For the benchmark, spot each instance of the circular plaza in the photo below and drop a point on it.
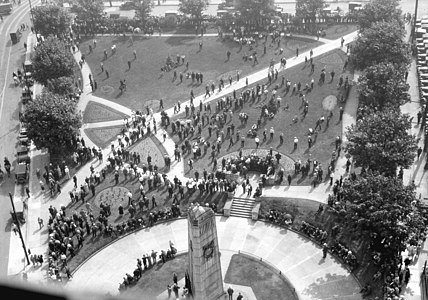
(299, 259)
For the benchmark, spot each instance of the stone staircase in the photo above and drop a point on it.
(242, 207)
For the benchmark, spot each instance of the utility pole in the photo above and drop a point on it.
(414, 21)
(31, 12)
(19, 228)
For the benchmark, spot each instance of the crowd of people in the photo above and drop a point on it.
(66, 231)
(243, 164)
(345, 254)
(279, 217)
(147, 262)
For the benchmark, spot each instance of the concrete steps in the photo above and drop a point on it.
(242, 207)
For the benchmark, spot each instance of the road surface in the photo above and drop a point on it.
(11, 58)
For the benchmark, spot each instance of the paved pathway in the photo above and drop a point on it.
(417, 174)
(299, 259)
(36, 239)
(319, 193)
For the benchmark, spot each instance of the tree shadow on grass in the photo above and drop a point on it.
(342, 286)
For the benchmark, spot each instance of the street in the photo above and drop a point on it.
(11, 58)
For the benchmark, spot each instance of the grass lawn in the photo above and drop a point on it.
(106, 191)
(265, 282)
(299, 209)
(144, 80)
(155, 280)
(323, 142)
(102, 137)
(97, 112)
(243, 270)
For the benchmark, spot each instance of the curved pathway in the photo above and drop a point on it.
(177, 168)
(299, 259)
(36, 239)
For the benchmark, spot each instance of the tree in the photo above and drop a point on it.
(91, 12)
(62, 85)
(193, 8)
(309, 9)
(380, 141)
(379, 10)
(381, 208)
(51, 19)
(52, 123)
(383, 84)
(143, 10)
(255, 12)
(52, 59)
(383, 42)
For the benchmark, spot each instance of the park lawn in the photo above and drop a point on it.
(145, 82)
(299, 209)
(93, 244)
(323, 144)
(265, 281)
(97, 112)
(154, 281)
(242, 270)
(102, 137)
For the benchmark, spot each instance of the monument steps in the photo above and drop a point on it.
(242, 207)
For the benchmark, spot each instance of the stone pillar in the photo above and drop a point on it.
(204, 255)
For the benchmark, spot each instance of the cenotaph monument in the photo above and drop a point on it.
(204, 268)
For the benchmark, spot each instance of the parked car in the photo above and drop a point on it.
(21, 173)
(23, 138)
(23, 154)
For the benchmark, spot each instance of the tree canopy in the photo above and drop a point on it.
(381, 207)
(383, 84)
(193, 8)
(61, 85)
(51, 19)
(379, 10)
(383, 42)
(380, 141)
(143, 10)
(91, 12)
(309, 9)
(52, 59)
(52, 123)
(255, 11)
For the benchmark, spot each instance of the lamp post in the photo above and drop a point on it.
(19, 228)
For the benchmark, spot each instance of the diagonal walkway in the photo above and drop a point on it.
(36, 239)
(299, 259)
(255, 77)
